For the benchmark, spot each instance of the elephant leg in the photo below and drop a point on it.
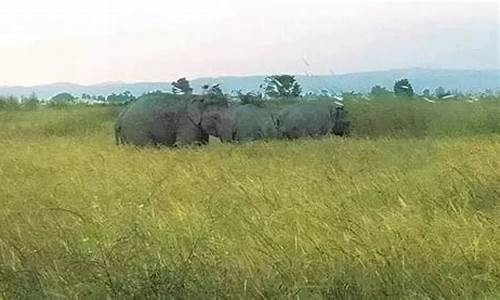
(204, 138)
(296, 132)
(188, 133)
(164, 130)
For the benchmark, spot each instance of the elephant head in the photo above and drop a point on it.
(213, 117)
(220, 122)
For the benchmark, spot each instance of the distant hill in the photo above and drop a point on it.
(463, 80)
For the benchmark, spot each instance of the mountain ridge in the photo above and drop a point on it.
(473, 81)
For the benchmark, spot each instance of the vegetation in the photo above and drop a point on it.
(182, 86)
(406, 208)
(250, 98)
(62, 97)
(120, 99)
(212, 90)
(403, 88)
(282, 86)
(379, 91)
(440, 92)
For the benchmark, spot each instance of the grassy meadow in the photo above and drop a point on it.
(407, 207)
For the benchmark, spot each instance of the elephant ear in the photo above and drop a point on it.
(194, 110)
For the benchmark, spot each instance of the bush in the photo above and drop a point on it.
(9, 103)
(403, 88)
(250, 98)
(63, 97)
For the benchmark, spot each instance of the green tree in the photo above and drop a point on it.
(8, 103)
(85, 96)
(182, 86)
(380, 91)
(282, 86)
(440, 92)
(121, 98)
(213, 90)
(249, 98)
(426, 93)
(403, 88)
(63, 98)
(30, 102)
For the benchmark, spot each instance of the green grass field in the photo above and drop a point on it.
(408, 207)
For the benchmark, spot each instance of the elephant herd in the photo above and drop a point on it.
(172, 120)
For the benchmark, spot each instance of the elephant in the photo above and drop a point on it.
(241, 123)
(165, 120)
(311, 119)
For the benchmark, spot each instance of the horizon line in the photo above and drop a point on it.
(104, 83)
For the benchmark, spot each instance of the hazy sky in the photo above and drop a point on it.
(95, 41)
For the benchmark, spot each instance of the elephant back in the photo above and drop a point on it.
(306, 119)
(254, 123)
(143, 121)
(155, 102)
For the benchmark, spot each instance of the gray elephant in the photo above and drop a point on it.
(311, 119)
(241, 123)
(165, 119)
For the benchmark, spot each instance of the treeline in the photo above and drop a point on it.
(286, 86)
(63, 100)
(274, 87)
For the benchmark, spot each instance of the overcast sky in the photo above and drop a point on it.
(96, 41)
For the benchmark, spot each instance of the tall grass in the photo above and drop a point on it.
(400, 210)
(413, 118)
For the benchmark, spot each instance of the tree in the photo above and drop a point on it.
(440, 92)
(121, 98)
(426, 93)
(489, 92)
(10, 102)
(380, 91)
(31, 98)
(282, 86)
(63, 98)
(30, 102)
(155, 93)
(212, 90)
(403, 88)
(181, 86)
(249, 98)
